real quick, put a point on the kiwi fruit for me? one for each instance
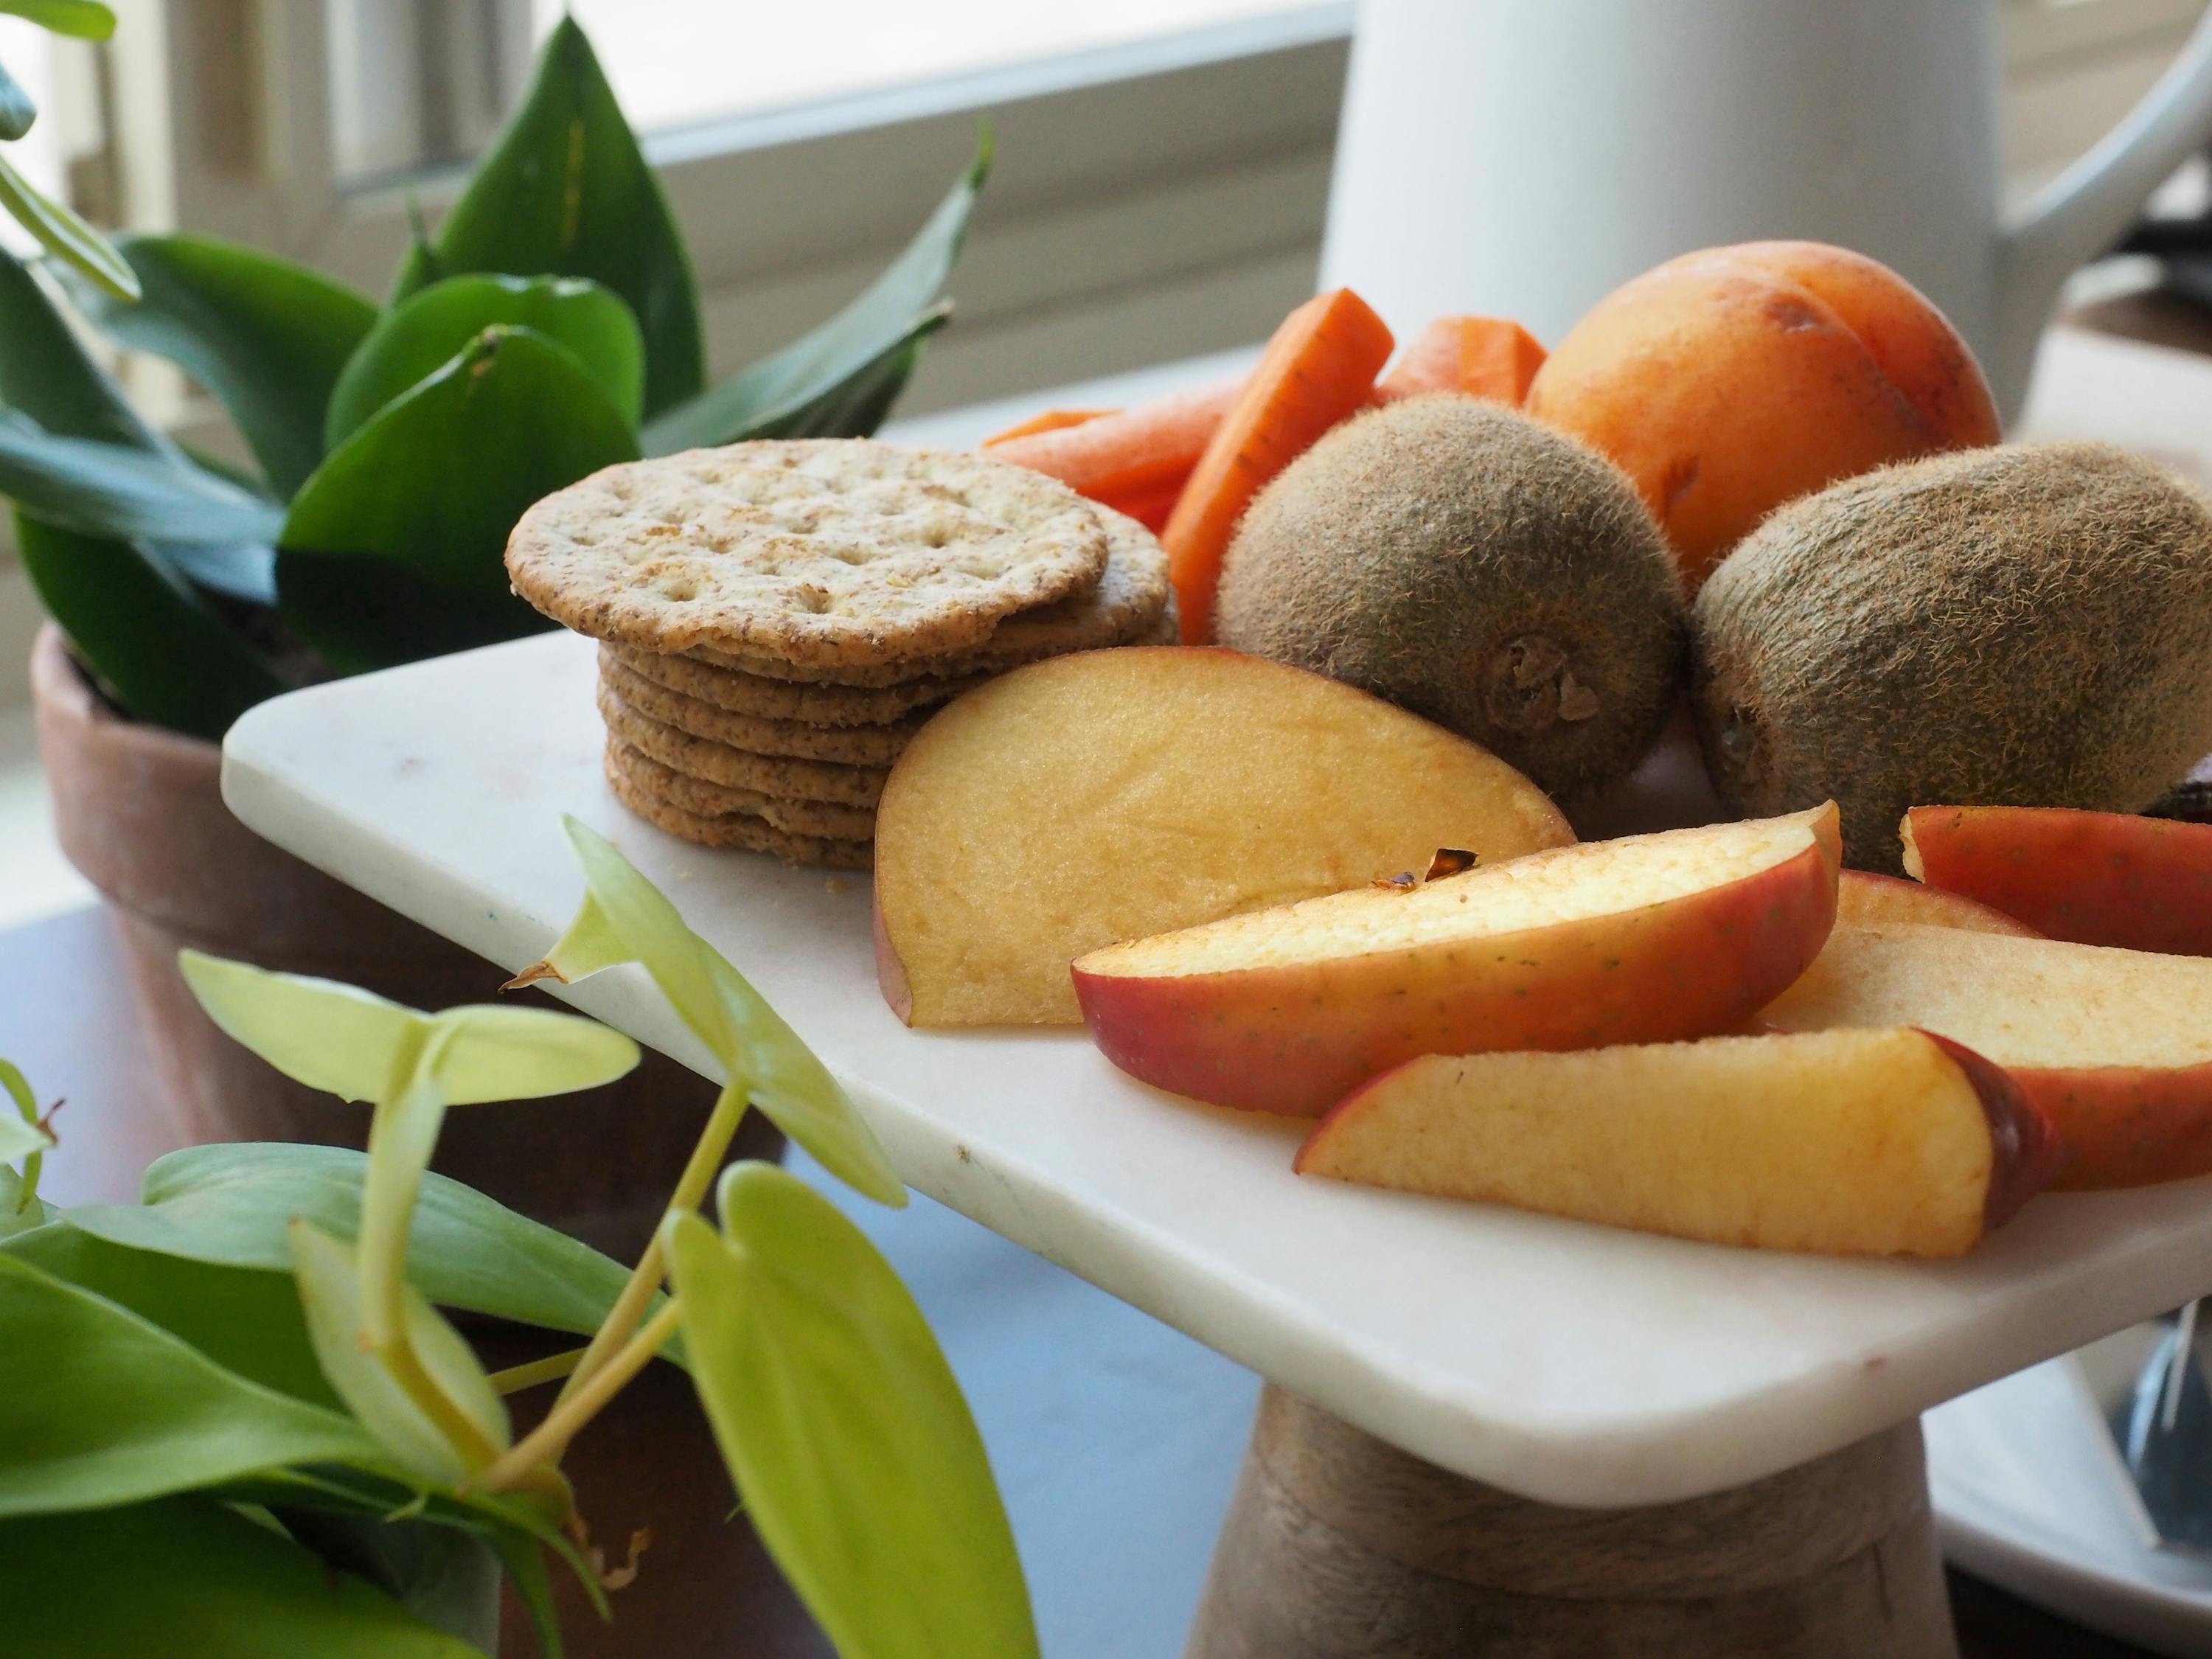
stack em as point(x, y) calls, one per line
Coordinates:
point(1460, 561)
point(2025, 626)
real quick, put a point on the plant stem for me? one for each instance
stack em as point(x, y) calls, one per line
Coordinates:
point(515, 1378)
point(546, 1443)
point(645, 1280)
point(416, 1381)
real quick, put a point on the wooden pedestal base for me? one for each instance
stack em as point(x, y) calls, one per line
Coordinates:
point(1337, 1544)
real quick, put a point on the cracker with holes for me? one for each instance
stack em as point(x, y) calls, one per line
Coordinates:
point(838, 552)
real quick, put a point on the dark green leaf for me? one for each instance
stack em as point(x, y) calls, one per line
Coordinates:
point(99, 1406)
point(158, 648)
point(88, 20)
point(862, 343)
point(446, 1577)
point(420, 335)
point(432, 486)
point(363, 614)
point(45, 373)
point(854, 1452)
point(565, 191)
point(111, 489)
point(17, 111)
point(230, 1205)
point(64, 234)
point(192, 1576)
point(245, 1320)
point(266, 336)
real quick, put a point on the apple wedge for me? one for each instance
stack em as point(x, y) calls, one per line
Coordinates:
point(1862, 895)
point(1117, 794)
point(1853, 1143)
point(1647, 938)
point(2091, 877)
point(2115, 1046)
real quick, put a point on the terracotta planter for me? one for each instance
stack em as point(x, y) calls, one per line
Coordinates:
point(139, 811)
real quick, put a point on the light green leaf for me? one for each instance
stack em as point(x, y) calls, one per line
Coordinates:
point(852, 1449)
point(230, 1204)
point(190, 1575)
point(421, 334)
point(427, 492)
point(782, 1074)
point(839, 380)
point(107, 490)
point(565, 191)
point(505, 1053)
point(332, 1291)
point(88, 20)
point(246, 1320)
point(17, 111)
point(267, 337)
point(21, 1137)
point(158, 648)
point(99, 1406)
point(21, 1211)
point(64, 234)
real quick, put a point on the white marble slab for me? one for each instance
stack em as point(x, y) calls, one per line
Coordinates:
point(1566, 1362)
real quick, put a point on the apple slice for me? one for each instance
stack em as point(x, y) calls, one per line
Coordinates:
point(1680, 934)
point(1862, 895)
point(2116, 1046)
point(1116, 793)
point(1854, 1142)
point(2091, 878)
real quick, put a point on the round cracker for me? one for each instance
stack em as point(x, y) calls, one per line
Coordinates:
point(1130, 598)
point(714, 801)
point(846, 745)
point(741, 831)
point(825, 551)
point(737, 768)
point(791, 700)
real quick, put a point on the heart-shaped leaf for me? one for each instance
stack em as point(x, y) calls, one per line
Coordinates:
point(565, 191)
point(625, 918)
point(193, 1576)
point(246, 1321)
point(852, 1449)
point(267, 337)
point(421, 334)
point(840, 380)
point(99, 1406)
point(429, 489)
point(230, 1204)
point(64, 234)
point(88, 20)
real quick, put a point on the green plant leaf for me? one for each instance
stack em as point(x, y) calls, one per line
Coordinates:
point(21, 1211)
point(433, 484)
point(21, 1139)
point(565, 191)
point(246, 1321)
point(64, 234)
point(447, 1576)
point(192, 1575)
point(88, 20)
point(99, 1406)
point(157, 648)
point(109, 489)
point(332, 1292)
point(852, 1447)
point(267, 337)
point(840, 380)
point(17, 111)
point(782, 1075)
point(19, 1133)
point(47, 374)
point(420, 335)
point(229, 1204)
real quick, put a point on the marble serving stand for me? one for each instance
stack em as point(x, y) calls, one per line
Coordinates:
point(1486, 1430)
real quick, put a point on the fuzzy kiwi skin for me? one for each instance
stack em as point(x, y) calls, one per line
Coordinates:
point(2026, 626)
point(1460, 561)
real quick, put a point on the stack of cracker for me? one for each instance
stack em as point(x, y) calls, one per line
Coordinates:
point(777, 619)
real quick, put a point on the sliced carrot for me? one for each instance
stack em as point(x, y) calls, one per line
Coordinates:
point(1319, 369)
point(1131, 452)
point(1483, 356)
point(1052, 420)
point(1150, 508)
